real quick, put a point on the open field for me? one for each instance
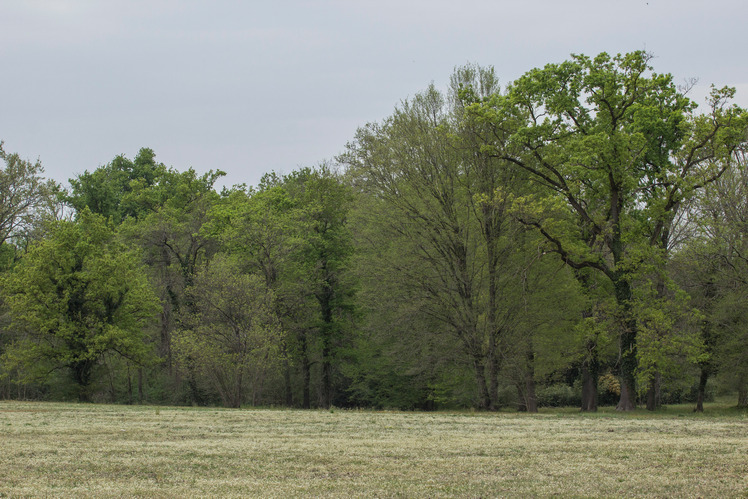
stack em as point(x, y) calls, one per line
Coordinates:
point(50, 449)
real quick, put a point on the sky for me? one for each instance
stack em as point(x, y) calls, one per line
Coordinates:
point(250, 87)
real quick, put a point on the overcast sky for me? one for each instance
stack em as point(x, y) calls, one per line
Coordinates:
point(249, 87)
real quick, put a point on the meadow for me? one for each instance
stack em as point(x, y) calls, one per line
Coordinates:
point(82, 450)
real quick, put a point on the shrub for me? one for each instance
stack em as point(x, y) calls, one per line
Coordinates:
point(558, 396)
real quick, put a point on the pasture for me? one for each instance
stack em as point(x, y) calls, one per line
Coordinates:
point(54, 449)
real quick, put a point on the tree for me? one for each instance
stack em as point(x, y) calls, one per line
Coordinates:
point(616, 149)
point(174, 247)
point(233, 336)
point(291, 233)
point(669, 339)
point(160, 210)
point(714, 268)
point(446, 204)
point(324, 200)
point(116, 189)
point(696, 269)
point(76, 296)
point(261, 229)
point(401, 357)
point(410, 166)
point(23, 195)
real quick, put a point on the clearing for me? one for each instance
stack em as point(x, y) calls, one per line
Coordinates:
point(55, 449)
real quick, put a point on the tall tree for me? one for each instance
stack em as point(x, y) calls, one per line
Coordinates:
point(714, 269)
point(233, 334)
point(617, 149)
point(76, 296)
point(402, 356)
point(24, 195)
point(174, 246)
point(115, 189)
point(169, 232)
point(160, 210)
point(261, 229)
point(292, 233)
point(447, 202)
point(324, 201)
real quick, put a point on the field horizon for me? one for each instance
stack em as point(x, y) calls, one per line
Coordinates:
point(86, 450)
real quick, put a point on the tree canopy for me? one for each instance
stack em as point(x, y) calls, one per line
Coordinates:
point(615, 150)
point(76, 296)
point(576, 236)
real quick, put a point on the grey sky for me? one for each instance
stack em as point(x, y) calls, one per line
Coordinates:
point(249, 87)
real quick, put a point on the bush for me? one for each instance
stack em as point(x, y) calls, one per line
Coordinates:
point(608, 389)
point(559, 396)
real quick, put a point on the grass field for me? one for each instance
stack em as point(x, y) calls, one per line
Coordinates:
point(50, 449)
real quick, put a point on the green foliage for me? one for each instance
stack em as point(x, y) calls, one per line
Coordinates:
point(480, 241)
point(26, 199)
point(559, 396)
point(440, 212)
point(76, 296)
point(399, 352)
point(117, 189)
point(712, 267)
point(617, 150)
point(324, 202)
point(232, 336)
point(168, 233)
point(292, 234)
point(8, 254)
point(731, 317)
point(668, 334)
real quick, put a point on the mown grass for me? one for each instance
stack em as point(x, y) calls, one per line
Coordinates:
point(50, 449)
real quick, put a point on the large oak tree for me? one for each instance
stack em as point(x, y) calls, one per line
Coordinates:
point(76, 296)
point(616, 149)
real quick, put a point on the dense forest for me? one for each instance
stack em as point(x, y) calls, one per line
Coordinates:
point(577, 237)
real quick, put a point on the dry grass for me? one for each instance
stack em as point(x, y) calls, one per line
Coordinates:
point(49, 449)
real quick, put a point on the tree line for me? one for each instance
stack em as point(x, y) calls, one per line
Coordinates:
point(578, 236)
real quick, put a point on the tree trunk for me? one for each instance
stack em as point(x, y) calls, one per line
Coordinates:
point(306, 373)
point(743, 397)
point(493, 291)
point(165, 339)
point(287, 381)
point(702, 390)
point(653, 392)
point(82, 371)
point(493, 374)
point(627, 400)
point(484, 400)
point(326, 331)
point(627, 343)
point(521, 400)
point(652, 395)
point(589, 387)
point(140, 385)
point(112, 390)
point(590, 375)
point(527, 400)
point(130, 399)
point(170, 303)
point(237, 394)
point(532, 400)
point(196, 396)
point(326, 381)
